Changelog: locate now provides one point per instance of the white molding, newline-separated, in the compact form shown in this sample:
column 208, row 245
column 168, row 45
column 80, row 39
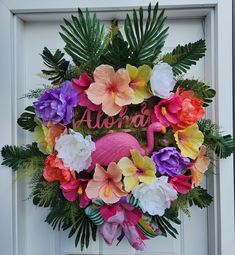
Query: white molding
column 22, row 6
column 6, row 185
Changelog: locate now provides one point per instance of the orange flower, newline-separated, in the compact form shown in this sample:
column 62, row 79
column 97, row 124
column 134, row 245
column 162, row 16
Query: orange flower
column 106, row 185
column 111, row 89
column 55, row 170
column 192, row 110
column 199, row 166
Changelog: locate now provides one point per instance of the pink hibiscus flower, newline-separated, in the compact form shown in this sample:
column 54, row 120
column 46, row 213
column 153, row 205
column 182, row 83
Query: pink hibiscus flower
column 74, row 190
column 81, row 85
column 182, row 183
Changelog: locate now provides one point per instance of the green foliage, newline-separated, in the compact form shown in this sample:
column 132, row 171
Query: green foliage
column 36, row 93
column 26, row 119
column 117, row 53
column 197, row 196
column 84, row 39
column 57, row 65
column 200, row 89
column 182, row 57
column 222, row 145
column 165, row 222
column 146, row 40
column 18, row 157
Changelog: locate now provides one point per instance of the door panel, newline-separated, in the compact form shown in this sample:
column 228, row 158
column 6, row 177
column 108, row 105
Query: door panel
column 37, row 237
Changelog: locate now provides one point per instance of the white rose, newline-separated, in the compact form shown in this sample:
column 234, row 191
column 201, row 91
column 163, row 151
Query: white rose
column 75, row 150
column 155, row 197
column 162, row 80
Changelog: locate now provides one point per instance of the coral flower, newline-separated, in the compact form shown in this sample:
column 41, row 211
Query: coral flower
column 81, row 85
column 181, row 183
column 139, row 78
column 106, row 185
column 55, row 170
column 199, row 166
column 139, row 169
column 46, row 136
column 74, row 190
column 167, row 110
column 111, row 89
column 189, row 140
column 192, row 110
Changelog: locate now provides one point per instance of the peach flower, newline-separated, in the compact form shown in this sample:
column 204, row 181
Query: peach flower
column 55, row 170
column 106, row 185
column 111, row 89
column 199, row 166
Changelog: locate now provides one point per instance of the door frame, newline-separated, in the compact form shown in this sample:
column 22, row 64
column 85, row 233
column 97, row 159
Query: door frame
column 218, row 67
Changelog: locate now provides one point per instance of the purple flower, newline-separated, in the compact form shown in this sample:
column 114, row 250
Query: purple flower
column 170, row 162
column 56, row 105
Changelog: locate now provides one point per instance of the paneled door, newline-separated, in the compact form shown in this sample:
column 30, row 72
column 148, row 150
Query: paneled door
column 26, row 27
column 37, row 238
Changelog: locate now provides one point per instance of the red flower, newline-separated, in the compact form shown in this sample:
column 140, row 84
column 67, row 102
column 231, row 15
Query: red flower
column 55, row 170
column 74, row 190
column 182, row 183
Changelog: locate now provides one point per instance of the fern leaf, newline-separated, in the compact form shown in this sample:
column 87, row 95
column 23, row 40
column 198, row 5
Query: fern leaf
column 183, row 57
column 145, row 40
column 200, row 89
column 222, row 145
column 84, row 39
column 26, row 119
column 57, row 65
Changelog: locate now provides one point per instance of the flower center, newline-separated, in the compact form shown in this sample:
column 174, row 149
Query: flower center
column 106, row 191
column 163, row 110
column 80, row 190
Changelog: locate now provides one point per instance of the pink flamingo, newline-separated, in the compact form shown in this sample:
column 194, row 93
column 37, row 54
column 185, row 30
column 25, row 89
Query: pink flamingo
column 112, row 147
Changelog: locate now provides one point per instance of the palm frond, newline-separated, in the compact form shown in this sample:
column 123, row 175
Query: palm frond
column 145, row 40
column 26, row 119
column 183, row 57
column 84, row 39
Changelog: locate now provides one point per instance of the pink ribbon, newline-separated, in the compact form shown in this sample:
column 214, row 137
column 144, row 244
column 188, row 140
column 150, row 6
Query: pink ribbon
column 126, row 217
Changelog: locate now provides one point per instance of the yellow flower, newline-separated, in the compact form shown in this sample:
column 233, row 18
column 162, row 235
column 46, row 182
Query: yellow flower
column 46, row 136
column 139, row 169
column 189, row 140
column 139, row 79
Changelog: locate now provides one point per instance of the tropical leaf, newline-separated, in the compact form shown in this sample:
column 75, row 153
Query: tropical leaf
column 222, row 145
column 84, row 39
column 146, row 40
column 57, row 65
column 183, row 57
column 201, row 90
column 26, row 119
column 16, row 157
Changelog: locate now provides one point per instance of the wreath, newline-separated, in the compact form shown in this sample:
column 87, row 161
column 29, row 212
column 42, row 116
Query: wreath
column 120, row 142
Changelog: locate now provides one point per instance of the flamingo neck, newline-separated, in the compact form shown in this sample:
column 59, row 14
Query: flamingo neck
column 154, row 127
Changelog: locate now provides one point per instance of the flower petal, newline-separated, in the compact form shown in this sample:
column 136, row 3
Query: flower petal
column 146, row 179
column 132, row 71
column 97, row 92
column 92, row 189
column 127, row 166
column 104, row 74
column 110, row 107
column 100, row 174
column 130, row 182
column 137, row 159
column 144, row 73
column 115, row 172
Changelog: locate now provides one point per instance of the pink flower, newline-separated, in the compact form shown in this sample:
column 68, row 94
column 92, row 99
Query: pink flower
column 106, row 185
column 182, row 183
column 167, row 110
column 81, row 85
column 74, row 190
column 111, row 89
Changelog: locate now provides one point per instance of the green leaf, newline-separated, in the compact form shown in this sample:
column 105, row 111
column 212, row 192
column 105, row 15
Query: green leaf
column 57, row 65
column 26, row 119
column 200, row 89
column 222, row 145
column 183, row 57
column 146, row 40
column 16, row 157
column 84, row 39
column 117, row 54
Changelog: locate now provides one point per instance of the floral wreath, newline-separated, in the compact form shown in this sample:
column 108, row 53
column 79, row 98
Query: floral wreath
column 120, row 143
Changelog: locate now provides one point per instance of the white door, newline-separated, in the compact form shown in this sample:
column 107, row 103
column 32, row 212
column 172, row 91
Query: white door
column 31, row 235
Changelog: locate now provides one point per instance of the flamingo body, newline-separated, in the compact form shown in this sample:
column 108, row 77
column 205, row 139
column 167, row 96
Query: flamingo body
column 112, row 147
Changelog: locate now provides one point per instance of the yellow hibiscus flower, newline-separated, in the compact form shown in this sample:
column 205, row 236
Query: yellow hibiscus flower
column 189, row 140
column 139, row 79
column 139, row 169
